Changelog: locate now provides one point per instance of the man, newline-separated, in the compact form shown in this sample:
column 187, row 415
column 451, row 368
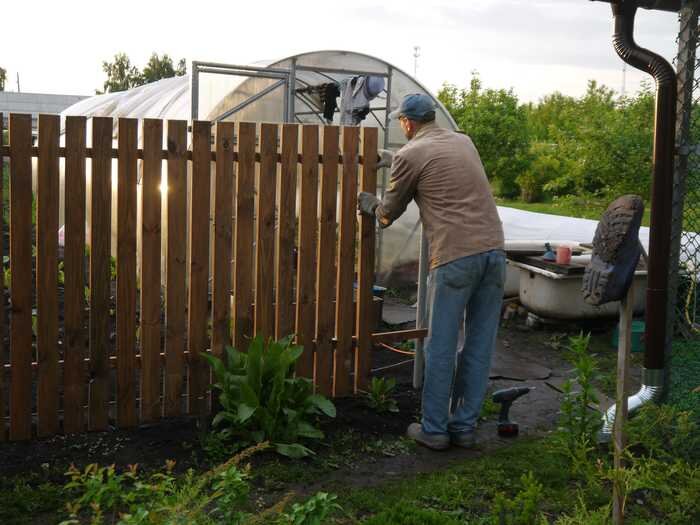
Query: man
column 442, row 171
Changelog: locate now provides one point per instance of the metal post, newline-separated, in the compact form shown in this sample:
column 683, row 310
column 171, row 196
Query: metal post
column 421, row 308
column 291, row 85
column 687, row 44
column 194, row 91
column 390, row 73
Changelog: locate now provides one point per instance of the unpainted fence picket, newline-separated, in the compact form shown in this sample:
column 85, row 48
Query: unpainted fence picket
column 276, row 270
column 3, row 349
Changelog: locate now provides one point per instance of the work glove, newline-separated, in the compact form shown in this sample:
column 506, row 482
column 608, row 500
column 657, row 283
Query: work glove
column 386, row 157
column 367, row 203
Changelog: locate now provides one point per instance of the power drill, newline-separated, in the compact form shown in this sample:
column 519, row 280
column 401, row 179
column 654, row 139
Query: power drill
column 505, row 397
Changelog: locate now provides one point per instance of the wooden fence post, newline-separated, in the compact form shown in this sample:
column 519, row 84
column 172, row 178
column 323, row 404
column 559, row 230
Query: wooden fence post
column 21, row 288
column 365, row 278
column 2, row 281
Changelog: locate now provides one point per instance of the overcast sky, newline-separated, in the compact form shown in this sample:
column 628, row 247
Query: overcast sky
column 534, row 46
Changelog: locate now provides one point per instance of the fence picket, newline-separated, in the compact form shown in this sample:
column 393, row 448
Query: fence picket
column 346, row 259
column 223, row 223
column 47, row 276
column 284, row 286
column 199, row 266
column 100, row 279
column 306, row 282
column 325, row 275
column 243, row 257
column 150, row 269
column 74, row 377
column 176, row 268
column 2, row 282
column 21, row 288
column 365, row 272
column 265, row 239
column 126, row 273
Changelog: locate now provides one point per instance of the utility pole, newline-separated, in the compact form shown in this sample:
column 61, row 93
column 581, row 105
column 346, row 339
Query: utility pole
column 416, row 54
column 18, row 90
column 624, row 79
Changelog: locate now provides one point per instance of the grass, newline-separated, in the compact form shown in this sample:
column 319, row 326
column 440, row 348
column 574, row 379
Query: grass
column 569, row 206
column 684, row 390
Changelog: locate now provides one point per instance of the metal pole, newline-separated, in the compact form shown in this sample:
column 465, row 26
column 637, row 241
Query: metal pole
column 421, row 308
column 291, row 85
column 194, row 91
column 387, row 110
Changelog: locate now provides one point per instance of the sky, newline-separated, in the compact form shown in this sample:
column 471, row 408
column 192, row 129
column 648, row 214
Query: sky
column 535, row 47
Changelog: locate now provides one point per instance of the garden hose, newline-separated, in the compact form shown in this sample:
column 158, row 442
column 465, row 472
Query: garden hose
column 397, row 350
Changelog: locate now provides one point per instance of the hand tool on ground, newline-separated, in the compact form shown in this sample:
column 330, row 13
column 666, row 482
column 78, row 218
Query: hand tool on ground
column 506, row 397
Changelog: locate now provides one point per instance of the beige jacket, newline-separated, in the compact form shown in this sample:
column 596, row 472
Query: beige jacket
column 443, row 172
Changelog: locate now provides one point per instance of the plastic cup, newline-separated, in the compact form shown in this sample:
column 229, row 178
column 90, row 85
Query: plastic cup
column 563, row 255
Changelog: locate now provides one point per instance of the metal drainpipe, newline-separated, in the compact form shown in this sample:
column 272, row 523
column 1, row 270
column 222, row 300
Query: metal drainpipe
column 661, row 200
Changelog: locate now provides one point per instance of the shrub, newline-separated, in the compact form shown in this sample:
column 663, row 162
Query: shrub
column 379, row 395
column 261, row 400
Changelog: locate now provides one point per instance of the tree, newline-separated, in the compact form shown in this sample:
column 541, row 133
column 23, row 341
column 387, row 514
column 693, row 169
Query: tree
column 122, row 75
column 497, row 124
column 3, row 78
column 162, row 67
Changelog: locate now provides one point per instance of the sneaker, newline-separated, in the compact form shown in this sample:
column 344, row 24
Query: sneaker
column 463, row 439
column 432, row 441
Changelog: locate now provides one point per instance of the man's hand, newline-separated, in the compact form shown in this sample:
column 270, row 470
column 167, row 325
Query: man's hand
column 367, row 202
column 386, row 157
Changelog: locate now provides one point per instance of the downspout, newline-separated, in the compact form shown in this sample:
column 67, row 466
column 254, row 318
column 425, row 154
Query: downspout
column 624, row 12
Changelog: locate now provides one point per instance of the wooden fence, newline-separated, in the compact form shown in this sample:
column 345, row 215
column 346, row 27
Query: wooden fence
column 87, row 350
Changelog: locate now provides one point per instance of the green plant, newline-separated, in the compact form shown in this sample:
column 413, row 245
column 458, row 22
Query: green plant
column 313, row 511
column 379, row 395
column 578, row 423
column 523, row 509
column 261, row 399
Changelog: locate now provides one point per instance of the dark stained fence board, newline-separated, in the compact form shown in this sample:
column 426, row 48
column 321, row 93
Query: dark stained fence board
column 150, row 270
column 176, row 257
column 284, row 286
column 243, row 256
column 223, row 224
column 365, row 277
column 346, row 258
column 127, row 415
column 199, row 266
column 325, row 277
column 100, row 236
column 3, row 436
column 47, row 276
column 21, row 282
column 265, row 239
column 74, row 277
column 306, row 264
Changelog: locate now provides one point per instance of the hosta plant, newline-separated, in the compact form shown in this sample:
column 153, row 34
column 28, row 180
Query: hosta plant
column 261, row 400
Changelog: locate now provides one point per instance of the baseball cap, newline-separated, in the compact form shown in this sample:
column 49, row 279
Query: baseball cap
column 416, row 106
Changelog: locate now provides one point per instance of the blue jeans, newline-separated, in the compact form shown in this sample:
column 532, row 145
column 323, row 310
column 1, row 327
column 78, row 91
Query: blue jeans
column 473, row 284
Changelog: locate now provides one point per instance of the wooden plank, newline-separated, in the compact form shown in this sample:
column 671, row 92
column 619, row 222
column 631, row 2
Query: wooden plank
column 21, row 290
column 47, row 276
column 325, row 277
column 150, row 270
column 265, row 239
column 126, row 273
column 624, row 348
column 306, row 261
column 365, row 270
column 100, row 236
column 176, row 267
column 243, row 250
column 223, row 238
column 346, row 263
column 199, row 266
column 284, row 285
column 3, row 436
column 74, row 378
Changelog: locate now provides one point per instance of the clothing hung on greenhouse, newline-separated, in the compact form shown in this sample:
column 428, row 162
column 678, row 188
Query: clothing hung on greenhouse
column 356, row 94
column 325, row 97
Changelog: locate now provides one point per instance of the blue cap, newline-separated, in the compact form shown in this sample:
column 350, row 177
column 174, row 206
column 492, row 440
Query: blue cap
column 417, row 107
